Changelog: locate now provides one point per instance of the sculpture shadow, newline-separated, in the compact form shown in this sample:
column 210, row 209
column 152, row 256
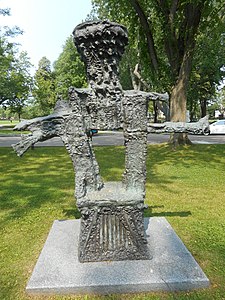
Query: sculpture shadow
column 194, row 157
column 46, row 176
column 150, row 213
column 72, row 213
column 42, row 178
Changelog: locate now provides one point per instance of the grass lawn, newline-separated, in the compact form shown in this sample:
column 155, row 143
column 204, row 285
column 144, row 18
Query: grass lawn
column 6, row 128
column 186, row 186
column 8, row 122
column 12, row 132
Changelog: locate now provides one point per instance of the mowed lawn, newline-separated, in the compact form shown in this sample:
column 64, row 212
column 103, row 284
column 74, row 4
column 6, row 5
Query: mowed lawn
column 187, row 186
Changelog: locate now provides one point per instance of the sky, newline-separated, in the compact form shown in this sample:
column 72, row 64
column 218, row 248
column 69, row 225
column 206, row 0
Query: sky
column 46, row 24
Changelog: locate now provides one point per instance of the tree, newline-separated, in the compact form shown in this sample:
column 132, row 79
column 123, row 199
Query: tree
column 15, row 79
column 6, row 65
column 166, row 31
column 44, row 87
column 20, row 85
column 69, row 70
column 8, row 53
column 208, row 70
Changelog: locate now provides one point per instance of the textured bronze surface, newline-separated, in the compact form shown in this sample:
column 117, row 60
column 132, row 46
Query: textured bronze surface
column 112, row 213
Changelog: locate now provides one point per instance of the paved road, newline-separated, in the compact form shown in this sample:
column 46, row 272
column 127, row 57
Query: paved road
column 116, row 138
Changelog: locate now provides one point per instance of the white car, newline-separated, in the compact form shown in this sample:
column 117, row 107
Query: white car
column 217, row 127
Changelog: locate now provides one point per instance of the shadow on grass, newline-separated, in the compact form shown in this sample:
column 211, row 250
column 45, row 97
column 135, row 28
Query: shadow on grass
column 43, row 182
column 194, row 159
column 71, row 213
column 45, row 176
column 149, row 212
column 182, row 156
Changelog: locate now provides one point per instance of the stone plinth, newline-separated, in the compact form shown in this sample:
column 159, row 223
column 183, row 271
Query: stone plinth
column 58, row 270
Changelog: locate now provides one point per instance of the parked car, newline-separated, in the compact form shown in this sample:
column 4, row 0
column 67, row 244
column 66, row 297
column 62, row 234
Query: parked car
column 217, row 127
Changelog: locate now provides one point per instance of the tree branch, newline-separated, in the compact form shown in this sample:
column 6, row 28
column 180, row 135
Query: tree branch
column 173, row 10
column 148, row 33
column 140, row 79
column 170, row 40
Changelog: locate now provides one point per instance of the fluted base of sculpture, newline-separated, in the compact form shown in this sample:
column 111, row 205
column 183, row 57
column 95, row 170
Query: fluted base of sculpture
column 112, row 228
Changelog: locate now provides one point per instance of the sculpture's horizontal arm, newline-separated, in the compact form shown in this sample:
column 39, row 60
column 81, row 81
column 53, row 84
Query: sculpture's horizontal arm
column 149, row 95
column 42, row 128
column 197, row 127
column 41, row 131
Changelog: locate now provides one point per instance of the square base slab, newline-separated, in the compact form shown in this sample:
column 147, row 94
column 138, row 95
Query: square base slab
column 58, row 270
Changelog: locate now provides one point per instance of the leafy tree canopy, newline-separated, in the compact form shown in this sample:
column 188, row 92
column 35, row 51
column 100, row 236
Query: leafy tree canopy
column 69, row 70
column 15, row 78
column 166, row 37
column 44, row 87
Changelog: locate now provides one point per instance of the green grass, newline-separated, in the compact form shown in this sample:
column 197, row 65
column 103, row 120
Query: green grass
column 7, row 128
column 7, row 122
column 186, row 186
column 12, row 132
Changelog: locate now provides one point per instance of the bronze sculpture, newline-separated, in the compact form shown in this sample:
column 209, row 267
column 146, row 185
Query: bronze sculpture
column 112, row 224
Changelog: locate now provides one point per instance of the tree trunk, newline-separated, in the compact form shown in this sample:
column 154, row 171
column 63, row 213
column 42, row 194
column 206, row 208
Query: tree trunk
column 178, row 99
column 178, row 102
column 181, row 60
column 177, row 139
column 179, row 46
column 148, row 33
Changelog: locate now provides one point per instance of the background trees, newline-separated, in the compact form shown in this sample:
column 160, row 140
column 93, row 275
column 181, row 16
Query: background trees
column 208, row 60
column 15, row 78
column 68, row 70
column 20, row 84
column 168, row 37
column 44, row 87
column 175, row 46
column 51, row 84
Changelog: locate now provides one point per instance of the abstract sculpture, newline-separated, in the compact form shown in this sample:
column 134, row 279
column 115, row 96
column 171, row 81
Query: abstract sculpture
column 112, row 224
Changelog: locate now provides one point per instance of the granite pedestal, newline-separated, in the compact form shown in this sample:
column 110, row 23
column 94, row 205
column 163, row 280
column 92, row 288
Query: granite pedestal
column 58, row 270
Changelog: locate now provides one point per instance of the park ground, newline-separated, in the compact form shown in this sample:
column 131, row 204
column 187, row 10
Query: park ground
column 186, row 186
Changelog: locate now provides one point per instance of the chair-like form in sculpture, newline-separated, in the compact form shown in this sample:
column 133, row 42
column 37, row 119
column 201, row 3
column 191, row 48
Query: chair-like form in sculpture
column 112, row 223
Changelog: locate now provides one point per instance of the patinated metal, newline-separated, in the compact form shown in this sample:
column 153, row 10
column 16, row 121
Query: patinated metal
column 112, row 224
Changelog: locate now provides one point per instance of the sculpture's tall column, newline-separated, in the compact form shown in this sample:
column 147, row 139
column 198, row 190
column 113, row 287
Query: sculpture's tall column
column 112, row 226
column 135, row 136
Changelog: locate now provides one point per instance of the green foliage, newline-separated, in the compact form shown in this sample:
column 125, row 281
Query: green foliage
column 44, row 87
column 179, row 30
column 208, row 61
column 6, row 62
column 185, row 186
column 32, row 110
column 15, row 79
column 69, row 70
column 126, row 69
column 21, row 84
